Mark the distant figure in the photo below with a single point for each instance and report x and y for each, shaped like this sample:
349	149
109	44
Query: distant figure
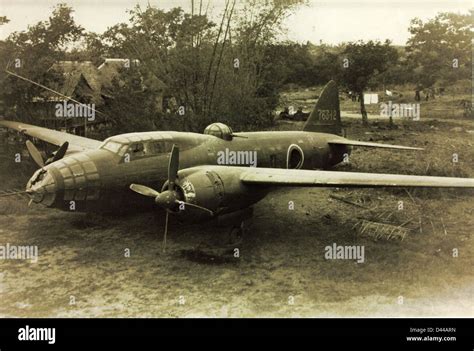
300	115
467	106
427	94
285	114
417	93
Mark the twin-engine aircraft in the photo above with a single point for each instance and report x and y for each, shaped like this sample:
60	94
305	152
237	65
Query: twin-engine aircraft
206	176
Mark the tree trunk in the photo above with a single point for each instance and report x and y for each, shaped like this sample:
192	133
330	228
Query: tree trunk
362	109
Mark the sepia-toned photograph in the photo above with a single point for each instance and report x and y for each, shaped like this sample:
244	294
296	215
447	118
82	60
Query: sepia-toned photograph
236	159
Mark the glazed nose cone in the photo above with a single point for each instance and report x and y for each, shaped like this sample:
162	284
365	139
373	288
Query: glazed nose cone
42	187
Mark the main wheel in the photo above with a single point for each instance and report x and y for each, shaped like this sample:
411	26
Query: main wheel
236	234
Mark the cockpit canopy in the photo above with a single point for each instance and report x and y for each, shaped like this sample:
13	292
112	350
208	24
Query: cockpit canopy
138	145
219	130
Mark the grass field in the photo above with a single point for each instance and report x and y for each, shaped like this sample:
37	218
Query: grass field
448	106
281	271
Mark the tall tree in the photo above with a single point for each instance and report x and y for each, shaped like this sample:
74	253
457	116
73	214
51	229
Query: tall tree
30	54
361	62
440	49
215	71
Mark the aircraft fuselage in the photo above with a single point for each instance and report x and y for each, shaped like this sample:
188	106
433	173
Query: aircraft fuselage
98	180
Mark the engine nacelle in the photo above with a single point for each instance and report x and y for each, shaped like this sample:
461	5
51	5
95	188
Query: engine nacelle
218	189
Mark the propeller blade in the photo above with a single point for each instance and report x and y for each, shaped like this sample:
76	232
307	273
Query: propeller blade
197	206
35	154
13	193
173	167
61	152
166	231
144	190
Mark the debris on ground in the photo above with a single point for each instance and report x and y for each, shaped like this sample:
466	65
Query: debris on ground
378	230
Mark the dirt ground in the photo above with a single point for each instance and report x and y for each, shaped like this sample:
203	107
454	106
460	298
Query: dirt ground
281	270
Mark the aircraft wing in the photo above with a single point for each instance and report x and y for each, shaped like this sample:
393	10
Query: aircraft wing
369	144
295	177
76	143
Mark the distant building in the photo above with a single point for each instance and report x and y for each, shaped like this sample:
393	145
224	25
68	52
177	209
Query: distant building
81	81
88	84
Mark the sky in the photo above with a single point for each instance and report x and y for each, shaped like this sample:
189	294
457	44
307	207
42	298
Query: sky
331	22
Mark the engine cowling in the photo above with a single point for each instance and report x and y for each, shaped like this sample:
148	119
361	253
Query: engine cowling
218	189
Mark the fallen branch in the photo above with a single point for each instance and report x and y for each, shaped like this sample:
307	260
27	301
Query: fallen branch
347	201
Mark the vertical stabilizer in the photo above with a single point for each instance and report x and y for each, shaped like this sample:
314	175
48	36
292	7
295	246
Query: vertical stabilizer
326	115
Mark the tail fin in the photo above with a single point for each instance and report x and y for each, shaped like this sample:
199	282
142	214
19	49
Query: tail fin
326	116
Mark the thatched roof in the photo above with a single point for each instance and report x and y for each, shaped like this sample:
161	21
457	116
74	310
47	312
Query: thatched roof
80	78
83	80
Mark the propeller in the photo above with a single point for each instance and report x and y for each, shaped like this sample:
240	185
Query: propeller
59	154
170	198
36	155
173	167
144	190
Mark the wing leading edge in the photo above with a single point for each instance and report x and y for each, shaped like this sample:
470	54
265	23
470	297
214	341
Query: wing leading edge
369	144
55	137
294	177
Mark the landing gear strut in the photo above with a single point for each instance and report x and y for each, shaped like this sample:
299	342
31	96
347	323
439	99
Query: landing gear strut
224	243
222	250
236	234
